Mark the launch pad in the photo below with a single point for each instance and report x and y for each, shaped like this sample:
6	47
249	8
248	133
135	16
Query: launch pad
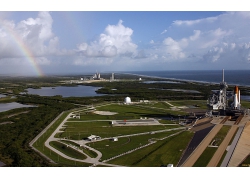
224	103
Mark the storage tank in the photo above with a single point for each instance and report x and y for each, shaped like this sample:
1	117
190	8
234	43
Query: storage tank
127	100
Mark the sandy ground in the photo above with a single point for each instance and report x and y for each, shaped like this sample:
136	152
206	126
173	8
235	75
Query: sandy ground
221	149
202	146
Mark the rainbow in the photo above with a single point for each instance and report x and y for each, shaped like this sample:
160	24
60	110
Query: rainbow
22	47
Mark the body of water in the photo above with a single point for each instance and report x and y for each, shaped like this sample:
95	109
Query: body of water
76	91
169	82
2	95
232	77
13	105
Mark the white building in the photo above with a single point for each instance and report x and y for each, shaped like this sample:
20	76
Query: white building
114	139
127	100
94	138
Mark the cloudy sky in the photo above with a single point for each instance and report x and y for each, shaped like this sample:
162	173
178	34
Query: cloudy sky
45	42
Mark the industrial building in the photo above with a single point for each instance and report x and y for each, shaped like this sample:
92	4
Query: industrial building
218	100
97	76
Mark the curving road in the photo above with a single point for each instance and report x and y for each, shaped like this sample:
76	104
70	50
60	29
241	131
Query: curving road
94	161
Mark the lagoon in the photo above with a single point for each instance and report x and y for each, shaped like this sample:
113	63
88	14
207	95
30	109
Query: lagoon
2	95
65	91
13	105
168	82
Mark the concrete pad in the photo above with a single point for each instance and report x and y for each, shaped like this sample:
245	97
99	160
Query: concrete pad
244	120
242	149
104	113
217	120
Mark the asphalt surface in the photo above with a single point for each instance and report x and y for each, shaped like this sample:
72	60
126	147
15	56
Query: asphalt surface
202	146
195	141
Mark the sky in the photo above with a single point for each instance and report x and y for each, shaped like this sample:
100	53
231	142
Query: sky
51	41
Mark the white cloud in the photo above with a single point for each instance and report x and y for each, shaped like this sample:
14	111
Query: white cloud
163	32
115	41
223	38
33	36
43	61
196	35
194	22
174	48
230	52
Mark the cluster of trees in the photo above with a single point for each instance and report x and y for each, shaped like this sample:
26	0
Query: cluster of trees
15	137
157	90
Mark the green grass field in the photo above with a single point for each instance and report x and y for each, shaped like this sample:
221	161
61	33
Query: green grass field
246	162
201	103
219	137
110	148
163	152
77	129
67	150
87	151
39	144
157	105
208	153
80	130
205	157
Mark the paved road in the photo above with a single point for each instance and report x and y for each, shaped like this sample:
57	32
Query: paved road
202	146
193	144
40	134
221	149
232	147
95	161
87	160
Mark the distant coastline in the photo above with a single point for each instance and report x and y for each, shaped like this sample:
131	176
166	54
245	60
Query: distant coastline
232	77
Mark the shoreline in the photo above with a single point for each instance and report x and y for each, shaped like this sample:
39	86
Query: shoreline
184	80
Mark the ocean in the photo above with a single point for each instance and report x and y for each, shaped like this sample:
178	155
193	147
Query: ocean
232	77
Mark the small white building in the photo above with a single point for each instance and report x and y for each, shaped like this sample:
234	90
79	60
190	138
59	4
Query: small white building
114	139
94	138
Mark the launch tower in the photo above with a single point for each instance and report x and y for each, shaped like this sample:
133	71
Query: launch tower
218	100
